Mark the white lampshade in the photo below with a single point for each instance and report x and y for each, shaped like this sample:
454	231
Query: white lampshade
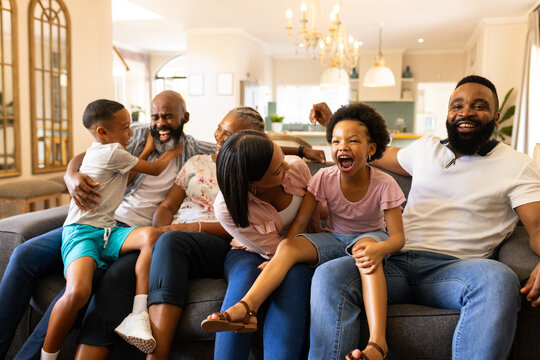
379	76
335	77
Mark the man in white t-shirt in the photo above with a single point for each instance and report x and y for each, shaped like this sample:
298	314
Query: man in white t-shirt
467	194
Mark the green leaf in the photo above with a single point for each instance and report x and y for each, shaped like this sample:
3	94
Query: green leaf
276	118
508	113
507	130
505	99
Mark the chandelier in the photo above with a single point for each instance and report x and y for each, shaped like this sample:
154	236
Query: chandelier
332	45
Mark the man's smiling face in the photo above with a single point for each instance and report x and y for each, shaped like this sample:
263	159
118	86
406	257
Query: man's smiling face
168	118
472	116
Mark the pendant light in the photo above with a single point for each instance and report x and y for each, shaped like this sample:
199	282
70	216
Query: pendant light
334	77
379	75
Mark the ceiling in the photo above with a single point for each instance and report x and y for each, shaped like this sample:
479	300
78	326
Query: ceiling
445	25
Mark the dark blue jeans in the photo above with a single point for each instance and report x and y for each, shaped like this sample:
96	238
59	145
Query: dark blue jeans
286	310
30	261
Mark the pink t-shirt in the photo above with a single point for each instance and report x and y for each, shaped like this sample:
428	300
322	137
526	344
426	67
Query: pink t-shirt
263	234
346	217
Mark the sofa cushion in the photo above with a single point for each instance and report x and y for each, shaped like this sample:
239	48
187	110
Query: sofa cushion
30	188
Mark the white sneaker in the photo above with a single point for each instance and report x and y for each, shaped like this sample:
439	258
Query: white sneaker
135	329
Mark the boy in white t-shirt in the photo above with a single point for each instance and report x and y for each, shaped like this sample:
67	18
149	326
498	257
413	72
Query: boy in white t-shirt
91	239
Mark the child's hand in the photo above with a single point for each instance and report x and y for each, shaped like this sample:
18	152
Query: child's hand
262	266
368	255
149	145
320	113
177	151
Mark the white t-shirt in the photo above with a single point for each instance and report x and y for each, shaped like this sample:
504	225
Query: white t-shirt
466	209
139	206
109	165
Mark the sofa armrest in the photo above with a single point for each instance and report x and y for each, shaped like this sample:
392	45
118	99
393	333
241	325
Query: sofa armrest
17	229
517	254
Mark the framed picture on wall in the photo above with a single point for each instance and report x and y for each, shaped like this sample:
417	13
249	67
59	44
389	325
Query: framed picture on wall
196	84
225	84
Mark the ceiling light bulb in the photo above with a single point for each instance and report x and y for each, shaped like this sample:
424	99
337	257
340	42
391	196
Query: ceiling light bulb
303	7
336	9
351	40
420	40
288	14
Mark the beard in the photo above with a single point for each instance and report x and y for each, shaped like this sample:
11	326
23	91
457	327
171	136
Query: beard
469	144
172	142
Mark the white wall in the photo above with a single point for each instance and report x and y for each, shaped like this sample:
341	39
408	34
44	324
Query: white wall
91	60
496	50
212	52
435	66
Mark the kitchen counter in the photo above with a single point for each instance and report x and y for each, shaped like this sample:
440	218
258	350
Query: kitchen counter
317	139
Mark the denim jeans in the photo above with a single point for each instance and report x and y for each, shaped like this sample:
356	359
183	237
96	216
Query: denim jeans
30	261
485	291
286	311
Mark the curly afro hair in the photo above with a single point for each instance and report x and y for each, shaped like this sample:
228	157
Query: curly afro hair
378	134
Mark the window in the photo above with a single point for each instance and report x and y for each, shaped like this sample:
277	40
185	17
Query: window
10	160
432	107
295	101
50	84
172	76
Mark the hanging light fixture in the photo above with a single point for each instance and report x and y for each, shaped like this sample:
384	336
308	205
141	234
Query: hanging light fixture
335	49
379	75
335	77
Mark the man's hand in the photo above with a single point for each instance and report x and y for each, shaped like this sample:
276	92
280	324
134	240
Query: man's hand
81	188
532	287
367	255
320	113
315	155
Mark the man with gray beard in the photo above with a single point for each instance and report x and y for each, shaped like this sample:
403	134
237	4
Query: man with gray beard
41	256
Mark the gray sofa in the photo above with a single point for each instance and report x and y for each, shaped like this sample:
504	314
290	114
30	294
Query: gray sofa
414	332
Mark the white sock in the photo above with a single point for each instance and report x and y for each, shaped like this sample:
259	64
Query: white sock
48	356
139	303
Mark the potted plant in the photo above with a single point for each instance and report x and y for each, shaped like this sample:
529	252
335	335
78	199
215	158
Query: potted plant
135	111
502	130
277	123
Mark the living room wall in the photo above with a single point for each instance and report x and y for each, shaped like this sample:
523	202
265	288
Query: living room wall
91	58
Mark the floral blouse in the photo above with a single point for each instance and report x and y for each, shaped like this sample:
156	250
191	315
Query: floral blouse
198	178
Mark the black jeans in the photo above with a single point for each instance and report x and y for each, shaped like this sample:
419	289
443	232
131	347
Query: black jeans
176	258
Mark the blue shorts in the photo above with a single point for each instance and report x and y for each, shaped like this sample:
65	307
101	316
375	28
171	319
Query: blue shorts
84	240
333	245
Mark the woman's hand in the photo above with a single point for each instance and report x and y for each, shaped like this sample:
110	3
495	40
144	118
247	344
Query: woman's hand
368	255
315	155
187	227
